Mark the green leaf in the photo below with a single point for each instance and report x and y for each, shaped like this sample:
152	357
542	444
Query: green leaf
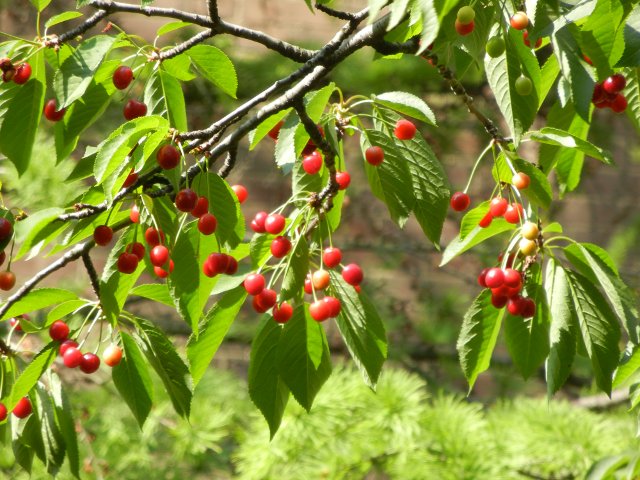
158	292
22	116
430	24
629	365
38	299
478	336
201	348
600	40
361	328
179	67
64	308
265	127
563	329
297	269
172	27
598	327
539	190
131	378
31	374
215	67
555	136
267	389
66	423
74	76
61	17
548	75
163	95
40	4
168	365
407	104
478	235
301	340
31	231
471	219
631	54
53	441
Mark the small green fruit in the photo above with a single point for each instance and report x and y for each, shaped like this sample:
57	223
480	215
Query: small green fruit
466	15
495	47
524	86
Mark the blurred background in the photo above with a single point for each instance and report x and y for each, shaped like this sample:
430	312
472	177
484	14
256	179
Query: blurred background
421	423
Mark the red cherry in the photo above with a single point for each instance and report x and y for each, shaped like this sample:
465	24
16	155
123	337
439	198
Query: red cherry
186	200
257	224
520	180
527	308
343	179
274	223
498	206
254	283
15	324
161	272
312	163
273	133
280	246
320	279
202	207
482	277
154	237
256	305
59	330
266	299
352	274
599	95
130	180
207	224
525	37
513	305
102	235
66	345
122	77
464	28
51	113
619	104
334	306
519	21
3	412
134	214
7	280
127	262
215	263
3	257
282	313
112	355
499	301
159	255
319	310
405	130
486	220
613	84
587	59
494	277
374	155
23	408
331	257
512	278
134	109
89	363
241	192
72	357
460	201
232	265
514	213
23	72
168	157
6	229
137	249
308	286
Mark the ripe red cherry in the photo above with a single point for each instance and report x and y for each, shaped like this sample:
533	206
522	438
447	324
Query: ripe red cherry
494	278
527	308
112	355
280	246
482	277
514	213
102	235
331	257
525	37
51	113
127	262
241	192
464	28
486	220
257	307
460	201
334	306
308	286
619	103
374	155
23	408
6	229
7	280
23	72
202	207
520	180
216	263
352	274
66	345
134	109
513	305
343	179
72	357
161	272
207	224
254	283
186	200
312	163
266	299
130	180
499	301
59	330
519	21
168	157
89	363
498	206
282	313
3	257
15	324
613	84
153	237
405	130
273	133
274	223
512	278
319	310
257	224
3	412
134	214
137	249
232	265
122	77
159	255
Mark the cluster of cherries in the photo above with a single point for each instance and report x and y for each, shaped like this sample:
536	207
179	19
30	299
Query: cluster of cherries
20	74
7	277
607	93
506	287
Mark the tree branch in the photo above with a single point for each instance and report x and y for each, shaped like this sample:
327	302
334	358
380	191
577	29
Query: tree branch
184	46
91	270
79	30
212	6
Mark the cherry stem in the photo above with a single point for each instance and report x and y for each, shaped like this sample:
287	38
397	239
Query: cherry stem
477	164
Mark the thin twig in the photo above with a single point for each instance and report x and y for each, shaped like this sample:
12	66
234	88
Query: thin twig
93	275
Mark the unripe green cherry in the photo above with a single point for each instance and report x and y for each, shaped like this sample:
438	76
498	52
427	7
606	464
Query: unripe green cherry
523	85
530	231
527	247
495	47
466	15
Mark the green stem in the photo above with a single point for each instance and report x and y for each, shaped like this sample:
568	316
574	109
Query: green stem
475	166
